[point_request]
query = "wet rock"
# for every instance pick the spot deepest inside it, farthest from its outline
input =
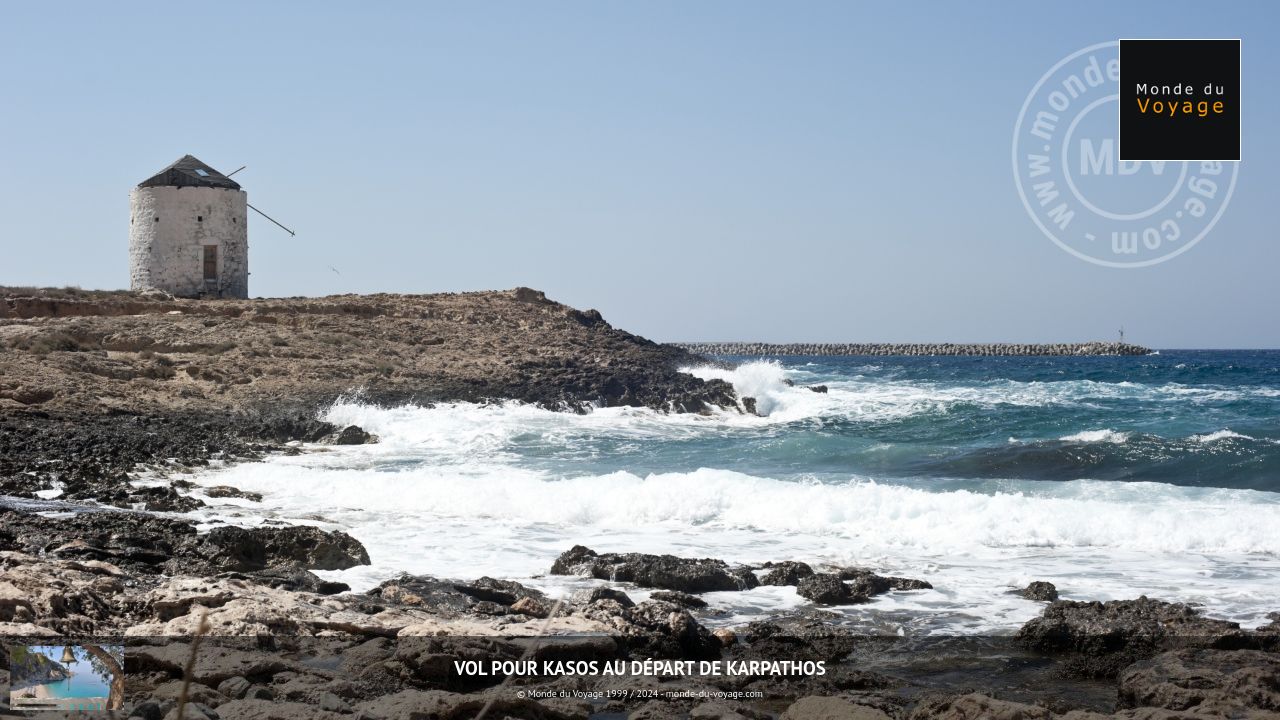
(656, 571)
(819, 388)
(247, 549)
(226, 491)
(1105, 637)
(1228, 682)
(785, 573)
(503, 592)
(675, 597)
(586, 597)
(160, 499)
(1040, 590)
(863, 582)
(827, 589)
(353, 435)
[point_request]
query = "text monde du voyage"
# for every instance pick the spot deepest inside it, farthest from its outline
(1179, 100)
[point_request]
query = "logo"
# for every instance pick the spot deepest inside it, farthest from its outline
(1180, 100)
(1073, 184)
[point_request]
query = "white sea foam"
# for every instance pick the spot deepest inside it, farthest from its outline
(1096, 436)
(457, 491)
(1219, 435)
(868, 398)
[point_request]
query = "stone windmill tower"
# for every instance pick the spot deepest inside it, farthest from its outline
(188, 233)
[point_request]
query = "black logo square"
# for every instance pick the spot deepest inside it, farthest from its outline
(1179, 99)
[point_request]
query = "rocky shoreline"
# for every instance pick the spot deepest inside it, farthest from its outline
(97, 385)
(95, 388)
(978, 349)
(274, 645)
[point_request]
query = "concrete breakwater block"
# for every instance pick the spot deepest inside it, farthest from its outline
(754, 348)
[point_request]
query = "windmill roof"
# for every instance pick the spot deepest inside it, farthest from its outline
(189, 172)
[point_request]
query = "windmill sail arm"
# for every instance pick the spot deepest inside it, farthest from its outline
(282, 227)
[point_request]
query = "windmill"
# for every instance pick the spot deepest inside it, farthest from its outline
(188, 232)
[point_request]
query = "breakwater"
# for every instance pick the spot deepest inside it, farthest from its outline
(991, 349)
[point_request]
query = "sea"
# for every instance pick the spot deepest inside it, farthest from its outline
(84, 682)
(1111, 477)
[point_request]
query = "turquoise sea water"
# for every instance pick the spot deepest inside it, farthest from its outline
(1188, 418)
(83, 683)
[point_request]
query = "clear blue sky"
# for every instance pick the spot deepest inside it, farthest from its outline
(710, 170)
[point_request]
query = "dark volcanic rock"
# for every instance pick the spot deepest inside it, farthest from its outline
(1105, 637)
(353, 435)
(1040, 590)
(91, 455)
(130, 540)
(226, 491)
(1227, 682)
(503, 592)
(865, 582)
(586, 597)
(852, 585)
(150, 544)
(247, 549)
(785, 573)
(485, 596)
(656, 571)
(827, 589)
(685, 600)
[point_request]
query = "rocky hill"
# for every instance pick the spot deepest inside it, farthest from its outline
(125, 353)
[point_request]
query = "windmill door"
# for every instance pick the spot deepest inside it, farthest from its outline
(211, 266)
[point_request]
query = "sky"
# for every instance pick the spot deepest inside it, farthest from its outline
(810, 171)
